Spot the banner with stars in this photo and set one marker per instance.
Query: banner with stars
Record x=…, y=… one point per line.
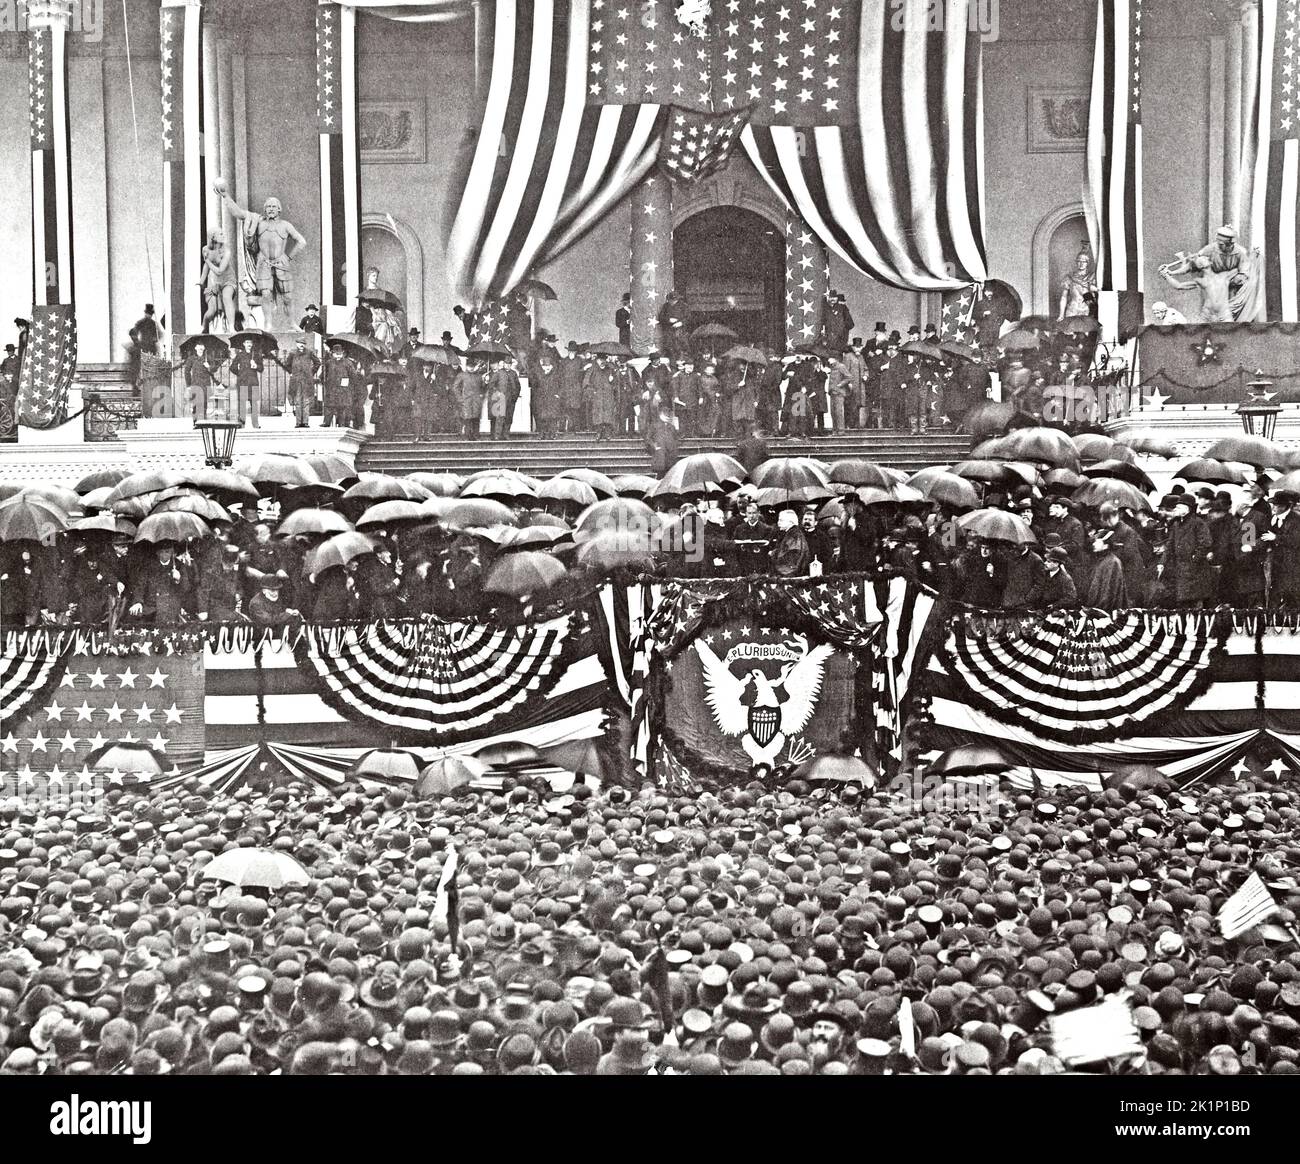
x=340, y=170
x=807, y=279
x=185, y=184
x=651, y=259
x=50, y=358
x=152, y=700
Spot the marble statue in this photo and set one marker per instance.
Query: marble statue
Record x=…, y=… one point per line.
x=1227, y=276
x=1079, y=288
x=270, y=242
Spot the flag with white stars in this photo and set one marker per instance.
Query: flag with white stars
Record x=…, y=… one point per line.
x=336, y=120
x=50, y=359
x=185, y=175
x=807, y=277
x=1274, y=197
x=152, y=700
x=866, y=120
x=958, y=320
x=699, y=144
x=639, y=52
x=1114, y=149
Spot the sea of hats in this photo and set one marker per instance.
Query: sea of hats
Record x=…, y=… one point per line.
x=794, y=931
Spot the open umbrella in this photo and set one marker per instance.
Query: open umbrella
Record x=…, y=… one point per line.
x=505, y=485
x=1004, y=297
x=338, y=550
x=1078, y=325
x=858, y=472
x=694, y=474
x=489, y=350
x=56, y=495
x=745, y=355
x=1042, y=446
x=833, y=769
x=358, y=347
x=610, y=348
x=994, y=472
x=634, y=484
x=435, y=354
x=537, y=517
x=1249, y=450
x=989, y=418
x=212, y=345
x=961, y=351
x=438, y=484
x=95, y=499
x=392, y=764
x=149, y=481
x=536, y=289
x=1095, y=446
x=1211, y=472
x=263, y=342
x=616, y=549
x=921, y=348
x=509, y=754
x=533, y=537
x=1148, y=442
x=1037, y=322
x=137, y=508
x=314, y=521
x=624, y=514
x=172, y=527
x=522, y=574
x=223, y=481
x=604, y=486
x=996, y=525
x=895, y=495
x=1099, y=490
x=477, y=513
x=569, y=490
x=789, y=473
x=271, y=469
x=771, y=496
x=103, y=523
x=30, y=519
x=1123, y=471
x=970, y=760
x=380, y=487
x=126, y=759
x=1062, y=480
x=397, y=512
x=198, y=504
x=100, y=479
x=713, y=330
x=945, y=488
x=378, y=297
x=255, y=868
x=580, y=756
x=443, y=777
x=1019, y=341
x=331, y=468
x=527, y=478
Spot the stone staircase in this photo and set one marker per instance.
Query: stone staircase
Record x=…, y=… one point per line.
x=546, y=457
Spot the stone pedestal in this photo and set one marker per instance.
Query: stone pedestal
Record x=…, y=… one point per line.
x=652, y=258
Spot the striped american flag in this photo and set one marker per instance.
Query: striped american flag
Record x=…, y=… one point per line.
x=1114, y=151
x=867, y=121
x=51, y=356
x=185, y=187
x=1276, y=134
x=1247, y=908
x=413, y=11
x=340, y=170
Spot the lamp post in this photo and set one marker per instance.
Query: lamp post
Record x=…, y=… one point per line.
x=218, y=441
x=1259, y=413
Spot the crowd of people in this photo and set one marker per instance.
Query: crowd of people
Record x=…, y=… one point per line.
x=793, y=930
x=163, y=549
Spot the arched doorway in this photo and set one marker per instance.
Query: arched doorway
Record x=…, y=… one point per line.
x=1057, y=241
x=391, y=246
x=729, y=266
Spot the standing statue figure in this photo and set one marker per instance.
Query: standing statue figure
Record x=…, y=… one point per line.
x=1079, y=288
x=1226, y=274
x=218, y=284
x=379, y=315
x=267, y=236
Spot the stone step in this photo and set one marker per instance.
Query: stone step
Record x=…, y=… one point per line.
x=628, y=455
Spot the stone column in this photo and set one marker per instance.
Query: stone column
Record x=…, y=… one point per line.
x=1232, y=128
x=226, y=119
x=652, y=259
x=1249, y=83
x=807, y=278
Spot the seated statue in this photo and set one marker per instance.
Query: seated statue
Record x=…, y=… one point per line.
x=1227, y=276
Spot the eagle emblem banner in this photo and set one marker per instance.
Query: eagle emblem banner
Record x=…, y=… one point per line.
x=746, y=699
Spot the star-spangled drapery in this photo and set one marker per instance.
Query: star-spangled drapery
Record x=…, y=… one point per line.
x=866, y=121
x=50, y=358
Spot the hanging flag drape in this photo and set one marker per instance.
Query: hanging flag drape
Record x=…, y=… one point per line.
x=867, y=121
x=49, y=359
x=340, y=168
x=807, y=279
x=412, y=11
x=185, y=184
x=1114, y=190
x=1274, y=131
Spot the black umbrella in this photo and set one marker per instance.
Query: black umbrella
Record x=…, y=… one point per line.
x=611, y=348
x=536, y=289
x=359, y=347
x=1121, y=471
x=489, y=350
x=713, y=330
x=211, y=344
x=436, y=354
x=378, y=297
x=262, y=341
